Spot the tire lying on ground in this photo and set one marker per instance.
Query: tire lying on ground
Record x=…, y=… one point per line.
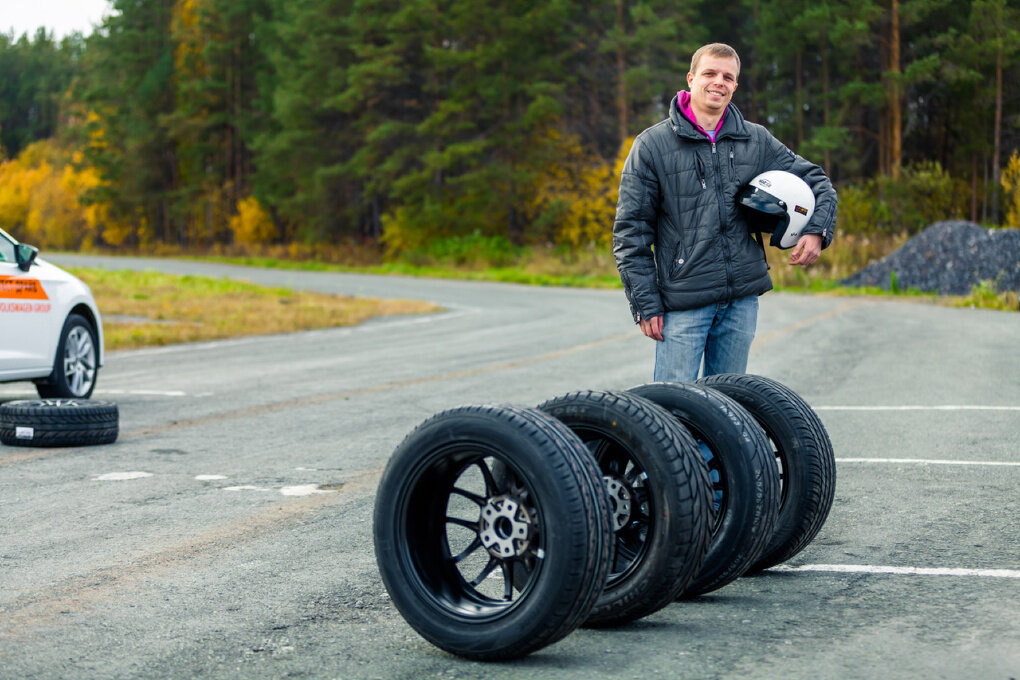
x=491, y=532
x=660, y=504
x=743, y=474
x=804, y=454
x=58, y=422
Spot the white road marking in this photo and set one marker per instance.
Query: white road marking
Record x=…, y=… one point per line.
x=146, y=393
x=303, y=490
x=366, y=327
x=300, y=490
x=911, y=571
x=206, y=478
x=925, y=461
x=120, y=476
x=950, y=407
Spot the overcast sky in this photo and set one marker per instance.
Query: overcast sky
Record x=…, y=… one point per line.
x=58, y=16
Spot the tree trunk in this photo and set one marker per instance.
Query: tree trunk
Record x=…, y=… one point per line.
x=799, y=97
x=895, y=97
x=974, y=188
x=621, y=71
x=826, y=112
x=997, y=144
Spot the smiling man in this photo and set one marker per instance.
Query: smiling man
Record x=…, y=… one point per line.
x=690, y=266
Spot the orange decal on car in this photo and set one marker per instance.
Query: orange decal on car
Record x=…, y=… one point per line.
x=21, y=288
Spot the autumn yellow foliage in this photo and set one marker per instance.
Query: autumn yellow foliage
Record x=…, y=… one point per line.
x=576, y=199
x=1011, y=183
x=43, y=199
x=252, y=225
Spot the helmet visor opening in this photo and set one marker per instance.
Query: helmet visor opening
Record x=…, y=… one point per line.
x=764, y=211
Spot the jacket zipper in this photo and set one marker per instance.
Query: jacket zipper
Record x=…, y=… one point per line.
x=726, y=246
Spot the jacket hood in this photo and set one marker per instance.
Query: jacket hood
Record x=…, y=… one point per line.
x=733, y=124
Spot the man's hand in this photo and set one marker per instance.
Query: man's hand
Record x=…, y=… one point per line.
x=807, y=250
x=652, y=327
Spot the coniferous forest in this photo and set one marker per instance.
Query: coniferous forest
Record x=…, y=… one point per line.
x=202, y=123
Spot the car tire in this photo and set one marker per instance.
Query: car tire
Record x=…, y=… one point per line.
x=58, y=422
x=659, y=493
x=76, y=363
x=443, y=524
x=803, y=451
x=743, y=474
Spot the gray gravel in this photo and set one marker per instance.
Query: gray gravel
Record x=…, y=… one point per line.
x=949, y=258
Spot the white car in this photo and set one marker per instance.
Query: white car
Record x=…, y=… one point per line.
x=50, y=329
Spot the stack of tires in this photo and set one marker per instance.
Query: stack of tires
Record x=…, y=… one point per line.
x=500, y=529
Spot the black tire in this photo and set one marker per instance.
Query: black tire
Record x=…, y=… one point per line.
x=76, y=363
x=743, y=474
x=658, y=488
x=803, y=451
x=443, y=523
x=58, y=422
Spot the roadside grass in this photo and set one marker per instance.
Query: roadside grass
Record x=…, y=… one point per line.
x=595, y=268
x=144, y=309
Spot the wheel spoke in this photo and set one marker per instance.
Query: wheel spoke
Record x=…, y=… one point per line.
x=493, y=563
x=508, y=581
x=473, y=497
x=612, y=459
x=466, y=523
x=490, y=482
x=475, y=545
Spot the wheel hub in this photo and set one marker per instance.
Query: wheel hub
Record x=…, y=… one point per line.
x=619, y=499
x=505, y=527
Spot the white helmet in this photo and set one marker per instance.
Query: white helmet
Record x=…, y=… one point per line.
x=778, y=202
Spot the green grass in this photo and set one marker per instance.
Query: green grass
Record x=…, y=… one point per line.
x=143, y=309
x=591, y=267
x=821, y=280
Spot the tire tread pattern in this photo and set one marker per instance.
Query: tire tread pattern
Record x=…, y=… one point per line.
x=59, y=422
x=687, y=474
x=808, y=512
x=586, y=553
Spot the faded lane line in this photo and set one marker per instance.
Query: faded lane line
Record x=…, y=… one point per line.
x=346, y=394
x=925, y=461
x=949, y=407
x=909, y=571
x=127, y=435
x=84, y=591
x=374, y=323
x=762, y=340
x=362, y=391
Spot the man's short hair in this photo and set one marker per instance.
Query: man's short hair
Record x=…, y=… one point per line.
x=716, y=50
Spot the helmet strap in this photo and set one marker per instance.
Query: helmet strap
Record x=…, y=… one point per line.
x=761, y=244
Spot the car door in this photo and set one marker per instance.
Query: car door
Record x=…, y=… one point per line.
x=26, y=323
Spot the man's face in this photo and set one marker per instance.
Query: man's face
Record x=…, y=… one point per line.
x=713, y=85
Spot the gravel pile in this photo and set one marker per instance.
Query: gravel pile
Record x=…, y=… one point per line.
x=949, y=258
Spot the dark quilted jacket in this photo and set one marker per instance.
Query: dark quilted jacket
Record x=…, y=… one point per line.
x=678, y=194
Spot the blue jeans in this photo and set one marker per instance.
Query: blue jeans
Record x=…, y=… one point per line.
x=721, y=333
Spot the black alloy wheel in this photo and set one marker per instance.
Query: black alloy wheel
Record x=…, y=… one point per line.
x=658, y=494
x=804, y=457
x=490, y=534
x=744, y=477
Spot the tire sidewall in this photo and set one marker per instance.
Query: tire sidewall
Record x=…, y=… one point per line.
x=746, y=473
x=804, y=451
x=552, y=497
x=56, y=385
x=664, y=496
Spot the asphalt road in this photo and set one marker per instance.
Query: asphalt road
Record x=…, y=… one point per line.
x=241, y=547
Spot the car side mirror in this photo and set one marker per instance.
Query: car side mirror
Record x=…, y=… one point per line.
x=25, y=255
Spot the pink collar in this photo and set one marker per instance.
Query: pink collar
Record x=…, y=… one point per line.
x=683, y=101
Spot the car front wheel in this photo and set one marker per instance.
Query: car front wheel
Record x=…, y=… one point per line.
x=74, y=371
